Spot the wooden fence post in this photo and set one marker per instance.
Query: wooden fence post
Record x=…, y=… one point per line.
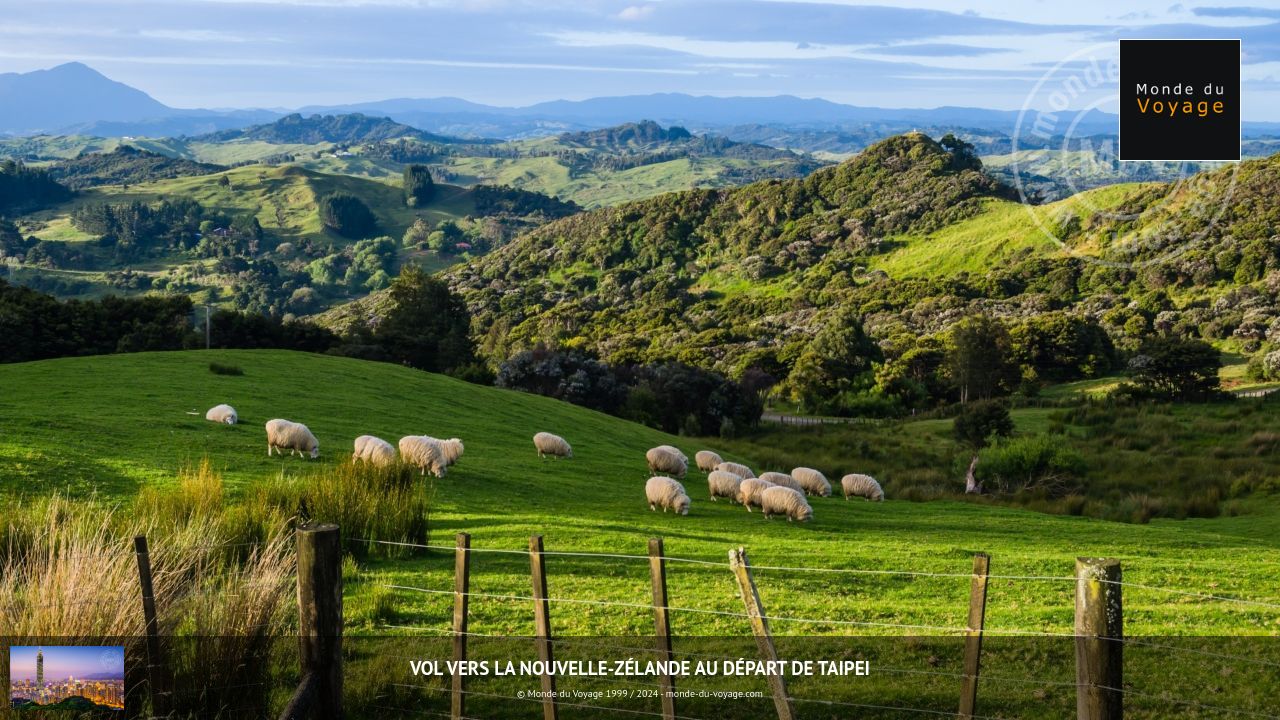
x=542, y=627
x=320, y=616
x=662, y=625
x=1099, y=640
x=461, y=586
x=760, y=627
x=155, y=663
x=973, y=634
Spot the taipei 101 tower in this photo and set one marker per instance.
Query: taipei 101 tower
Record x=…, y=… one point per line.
x=40, y=668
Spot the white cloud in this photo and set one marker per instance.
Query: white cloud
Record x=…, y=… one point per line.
x=635, y=12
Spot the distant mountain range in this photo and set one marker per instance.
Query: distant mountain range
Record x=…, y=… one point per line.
x=76, y=99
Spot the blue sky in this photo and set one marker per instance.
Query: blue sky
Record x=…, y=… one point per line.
x=909, y=53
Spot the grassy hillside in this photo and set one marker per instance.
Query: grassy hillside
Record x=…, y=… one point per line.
x=106, y=426
x=1000, y=232
x=260, y=190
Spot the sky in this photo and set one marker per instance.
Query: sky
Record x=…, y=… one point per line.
x=66, y=661
x=900, y=53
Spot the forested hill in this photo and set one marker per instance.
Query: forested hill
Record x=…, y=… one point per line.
x=127, y=165
x=627, y=135
x=620, y=270
x=902, y=242
x=658, y=143
x=349, y=128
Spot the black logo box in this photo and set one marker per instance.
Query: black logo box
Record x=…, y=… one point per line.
x=1180, y=65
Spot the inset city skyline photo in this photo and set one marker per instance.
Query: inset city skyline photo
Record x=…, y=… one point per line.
x=83, y=680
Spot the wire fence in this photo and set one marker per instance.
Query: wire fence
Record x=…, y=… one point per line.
x=825, y=624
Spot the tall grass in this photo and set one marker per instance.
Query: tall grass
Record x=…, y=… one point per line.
x=369, y=504
x=223, y=571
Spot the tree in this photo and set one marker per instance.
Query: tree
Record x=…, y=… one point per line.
x=347, y=215
x=427, y=326
x=980, y=358
x=1174, y=368
x=418, y=186
x=974, y=427
x=839, y=353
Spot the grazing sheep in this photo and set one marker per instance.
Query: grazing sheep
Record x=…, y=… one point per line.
x=723, y=484
x=668, y=494
x=373, y=450
x=738, y=469
x=863, y=486
x=707, y=460
x=785, y=501
x=677, y=451
x=813, y=482
x=222, y=414
x=783, y=479
x=295, y=437
x=749, y=492
x=552, y=445
x=424, y=453
x=662, y=459
x=452, y=450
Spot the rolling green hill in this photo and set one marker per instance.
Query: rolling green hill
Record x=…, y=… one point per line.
x=103, y=427
x=284, y=202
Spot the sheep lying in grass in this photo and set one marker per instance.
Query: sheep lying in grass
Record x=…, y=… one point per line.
x=424, y=453
x=295, y=437
x=783, y=479
x=813, y=482
x=452, y=450
x=665, y=493
x=785, y=501
x=749, y=491
x=707, y=460
x=222, y=414
x=723, y=484
x=863, y=486
x=373, y=450
x=552, y=445
x=666, y=459
x=738, y=469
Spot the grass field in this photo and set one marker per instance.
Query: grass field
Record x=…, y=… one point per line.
x=108, y=431
x=102, y=428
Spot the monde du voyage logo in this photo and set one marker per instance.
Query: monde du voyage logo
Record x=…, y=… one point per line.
x=1179, y=100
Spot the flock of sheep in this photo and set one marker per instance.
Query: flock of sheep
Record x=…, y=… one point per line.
x=426, y=453
x=775, y=493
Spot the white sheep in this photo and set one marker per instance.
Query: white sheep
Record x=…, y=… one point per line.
x=783, y=479
x=222, y=414
x=707, y=460
x=295, y=437
x=785, y=501
x=749, y=491
x=813, y=482
x=863, y=486
x=738, y=469
x=424, y=453
x=373, y=450
x=723, y=484
x=666, y=459
x=677, y=451
x=666, y=493
x=452, y=450
x=553, y=445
